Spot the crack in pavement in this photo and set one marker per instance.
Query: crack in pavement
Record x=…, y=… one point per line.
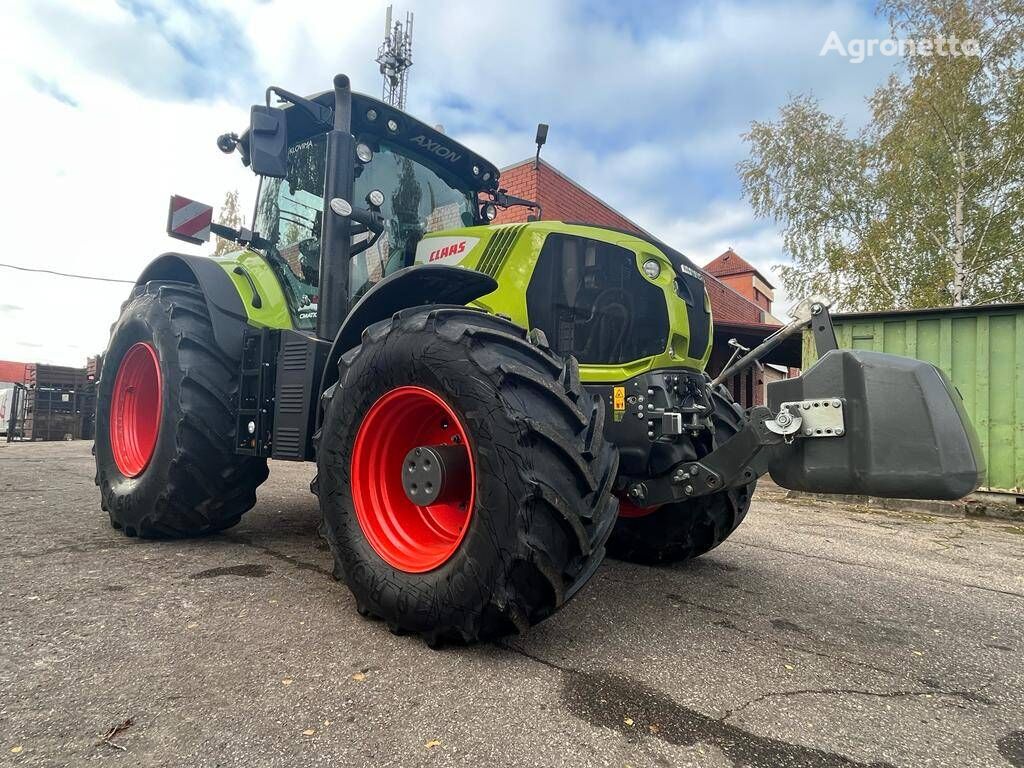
x=634, y=709
x=975, y=696
x=761, y=636
x=869, y=566
x=81, y=548
x=295, y=562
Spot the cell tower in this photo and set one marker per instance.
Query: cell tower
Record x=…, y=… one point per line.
x=395, y=58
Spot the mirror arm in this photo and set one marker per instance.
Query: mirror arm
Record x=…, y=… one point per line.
x=318, y=112
x=243, y=236
x=500, y=197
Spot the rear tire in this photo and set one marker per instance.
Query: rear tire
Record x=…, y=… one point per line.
x=541, y=507
x=686, y=529
x=167, y=468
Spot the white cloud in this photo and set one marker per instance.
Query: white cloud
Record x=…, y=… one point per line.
x=87, y=192
x=648, y=119
x=726, y=224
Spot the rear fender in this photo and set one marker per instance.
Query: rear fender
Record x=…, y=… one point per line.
x=227, y=312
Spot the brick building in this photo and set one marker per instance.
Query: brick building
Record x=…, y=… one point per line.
x=735, y=272
x=741, y=297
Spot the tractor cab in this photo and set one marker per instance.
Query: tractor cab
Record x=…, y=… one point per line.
x=410, y=178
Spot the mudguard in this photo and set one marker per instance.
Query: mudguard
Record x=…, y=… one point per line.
x=411, y=287
x=907, y=434
x=227, y=313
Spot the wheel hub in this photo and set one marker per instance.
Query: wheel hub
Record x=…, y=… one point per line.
x=435, y=474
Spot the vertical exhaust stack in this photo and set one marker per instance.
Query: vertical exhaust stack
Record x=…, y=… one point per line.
x=336, y=242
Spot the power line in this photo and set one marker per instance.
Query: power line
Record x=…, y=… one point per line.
x=66, y=274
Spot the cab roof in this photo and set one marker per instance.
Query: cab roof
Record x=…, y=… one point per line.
x=373, y=117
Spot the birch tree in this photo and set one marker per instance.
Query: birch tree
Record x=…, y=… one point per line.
x=924, y=206
x=231, y=216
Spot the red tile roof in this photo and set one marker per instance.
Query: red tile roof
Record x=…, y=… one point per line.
x=565, y=200
x=731, y=263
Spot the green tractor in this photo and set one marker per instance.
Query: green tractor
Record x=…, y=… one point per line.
x=492, y=408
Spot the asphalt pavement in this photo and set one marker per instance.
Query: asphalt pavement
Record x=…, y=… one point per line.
x=817, y=635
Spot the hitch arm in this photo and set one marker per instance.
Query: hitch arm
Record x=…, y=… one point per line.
x=738, y=461
x=810, y=312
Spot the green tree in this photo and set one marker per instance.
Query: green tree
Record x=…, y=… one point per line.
x=231, y=216
x=925, y=205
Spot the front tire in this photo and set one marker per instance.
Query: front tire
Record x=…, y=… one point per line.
x=509, y=545
x=686, y=529
x=165, y=428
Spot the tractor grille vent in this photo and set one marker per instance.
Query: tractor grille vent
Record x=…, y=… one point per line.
x=293, y=355
x=288, y=444
x=291, y=398
x=498, y=248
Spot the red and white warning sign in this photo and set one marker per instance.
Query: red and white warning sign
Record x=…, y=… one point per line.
x=189, y=220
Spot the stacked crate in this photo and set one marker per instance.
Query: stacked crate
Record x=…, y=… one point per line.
x=60, y=404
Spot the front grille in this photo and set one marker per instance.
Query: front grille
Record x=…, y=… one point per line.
x=591, y=301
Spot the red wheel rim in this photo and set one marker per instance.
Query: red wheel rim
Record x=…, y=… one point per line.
x=135, y=409
x=408, y=537
x=629, y=509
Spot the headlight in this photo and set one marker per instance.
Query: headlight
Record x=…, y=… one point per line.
x=393, y=126
x=652, y=268
x=375, y=198
x=363, y=152
x=490, y=211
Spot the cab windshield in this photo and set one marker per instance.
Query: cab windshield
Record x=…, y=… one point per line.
x=289, y=212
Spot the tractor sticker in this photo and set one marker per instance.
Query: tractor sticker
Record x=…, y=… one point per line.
x=618, y=403
x=444, y=250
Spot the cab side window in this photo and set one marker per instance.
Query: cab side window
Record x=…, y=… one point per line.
x=289, y=215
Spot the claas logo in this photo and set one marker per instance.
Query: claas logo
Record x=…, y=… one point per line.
x=448, y=250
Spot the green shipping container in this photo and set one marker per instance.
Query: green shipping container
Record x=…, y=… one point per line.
x=980, y=348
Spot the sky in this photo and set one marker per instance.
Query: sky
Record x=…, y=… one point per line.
x=114, y=105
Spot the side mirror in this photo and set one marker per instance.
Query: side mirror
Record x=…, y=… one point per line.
x=268, y=141
x=189, y=220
